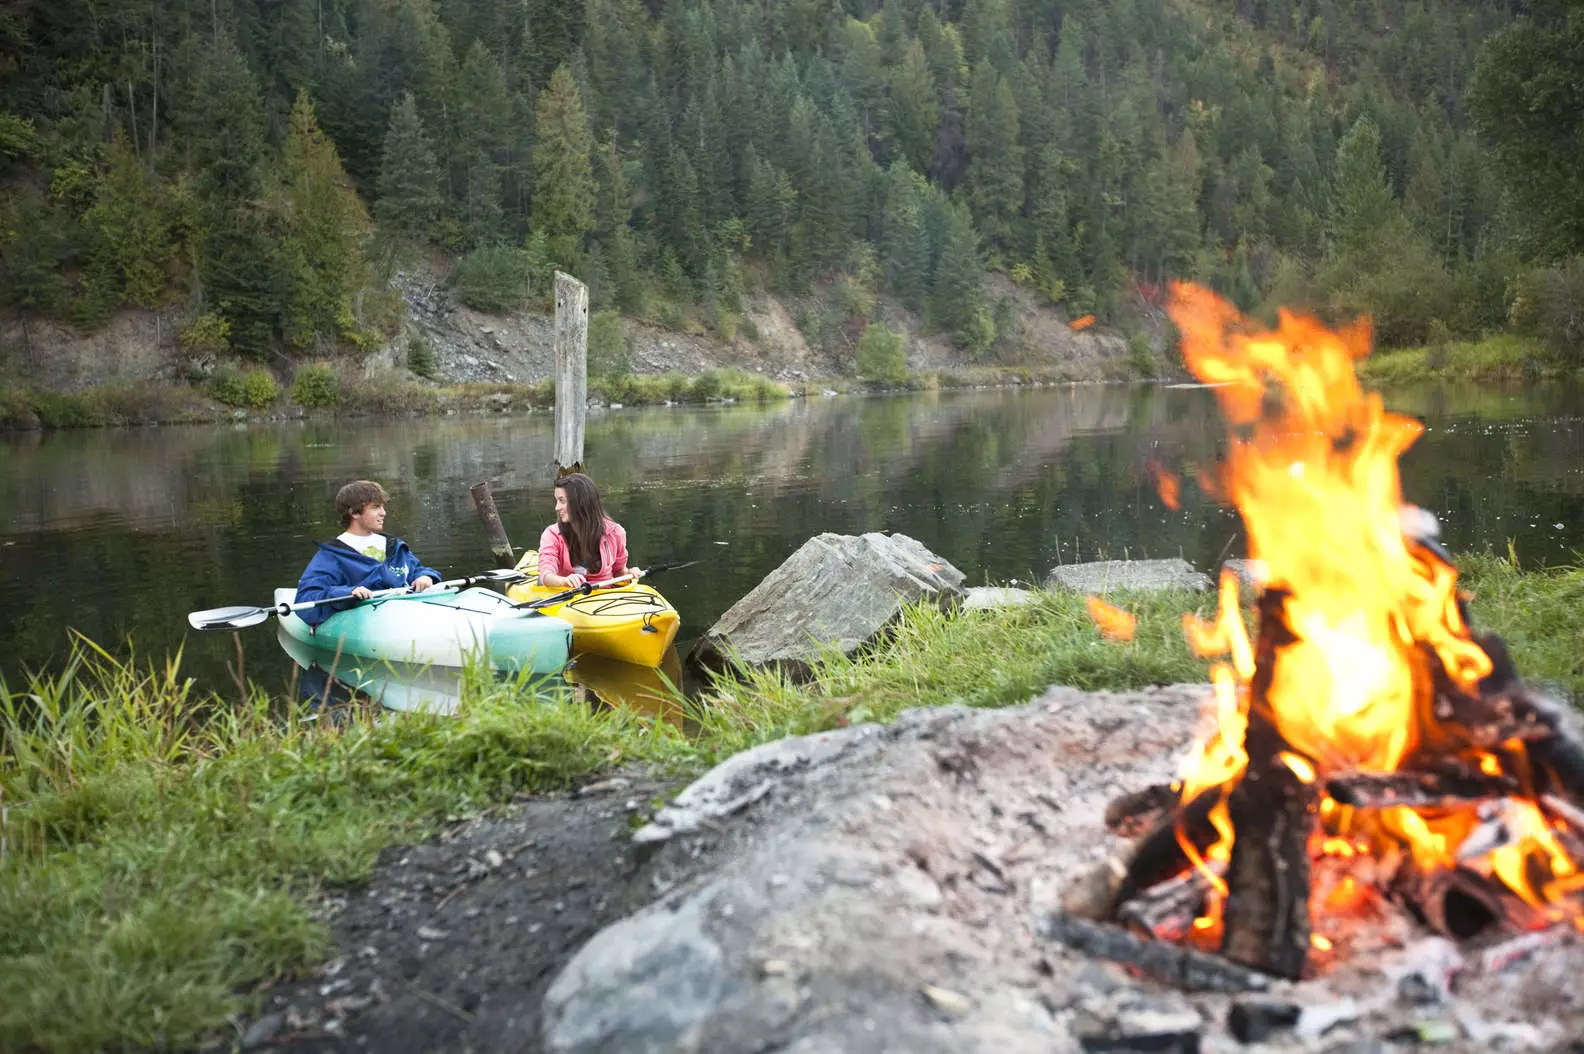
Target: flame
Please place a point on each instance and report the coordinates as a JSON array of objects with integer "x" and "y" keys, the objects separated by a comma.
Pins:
[
  {"x": 1312, "y": 469},
  {"x": 1115, "y": 624},
  {"x": 1082, "y": 323},
  {"x": 1166, "y": 484}
]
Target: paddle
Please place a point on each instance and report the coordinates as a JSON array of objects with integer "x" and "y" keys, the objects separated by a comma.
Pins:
[
  {"x": 589, "y": 587},
  {"x": 242, "y": 617}
]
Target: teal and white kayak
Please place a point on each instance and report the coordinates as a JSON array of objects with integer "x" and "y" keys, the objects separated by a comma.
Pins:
[{"x": 439, "y": 627}]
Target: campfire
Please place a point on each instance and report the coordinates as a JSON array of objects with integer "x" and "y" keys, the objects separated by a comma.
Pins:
[{"x": 1370, "y": 759}]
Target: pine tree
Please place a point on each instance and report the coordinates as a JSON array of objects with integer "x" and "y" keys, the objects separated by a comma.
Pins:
[
  {"x": 1362, "y": 206},
  {"x": 322, "y": 225},
  {"x": 915, "y": 108},
  {"x": 957, "y": 301},
  {"x": 904, "y": 242},
  {"x": 409, "y": 180},
  {"x": 483, "y": 217},
  {"x": 994, "y": 178},
  {"x": 563, "y": 177},
  {"x": 131, "y": 242}
]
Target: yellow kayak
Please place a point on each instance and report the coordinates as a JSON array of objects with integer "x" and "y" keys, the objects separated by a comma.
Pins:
[{"x": 631, "y": 622}]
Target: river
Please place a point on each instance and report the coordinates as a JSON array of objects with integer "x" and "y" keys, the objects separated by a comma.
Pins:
[{"x": 117, "y": 534}]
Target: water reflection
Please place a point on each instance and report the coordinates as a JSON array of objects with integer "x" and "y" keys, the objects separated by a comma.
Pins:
[{"x": 119, "y": 533}]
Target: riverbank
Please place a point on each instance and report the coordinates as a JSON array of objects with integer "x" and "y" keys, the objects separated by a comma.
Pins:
[
  {"x": 171, "y": 860},
  {"x": 1504, "y": 357},
  {"x": 159, "y": 403}
]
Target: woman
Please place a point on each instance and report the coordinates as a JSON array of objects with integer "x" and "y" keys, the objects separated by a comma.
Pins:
[{"x": 583, "y": 545}]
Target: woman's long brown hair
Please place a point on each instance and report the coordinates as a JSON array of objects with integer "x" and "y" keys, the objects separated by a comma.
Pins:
[{"x": 583, "y": 534}]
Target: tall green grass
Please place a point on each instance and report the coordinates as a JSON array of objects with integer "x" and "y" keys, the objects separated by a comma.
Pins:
[
  {"x": 1502, "y": 357},
  {"x": 163, "y": 847}
]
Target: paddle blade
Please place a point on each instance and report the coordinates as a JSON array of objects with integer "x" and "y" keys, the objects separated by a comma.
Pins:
[{"x": 227, "y": 618}]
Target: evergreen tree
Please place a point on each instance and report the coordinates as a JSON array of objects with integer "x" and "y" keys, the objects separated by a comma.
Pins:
[
  {"x": 483, "y": 216},
  {"x": 409, "y": 179},
  {"x": 915, "y": 108},
  {"x": 957, "y": 301},
  {"x": 563, "y": 177},
  {"x": 994, "y": 178},
  {"x": 322, "y": 225},
  {"x": 131, "y": 244},
  {"x": 904, "y": 241},
  {"x": 1362, "y": 206}
]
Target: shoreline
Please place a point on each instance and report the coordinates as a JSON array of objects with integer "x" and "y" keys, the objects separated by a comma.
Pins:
[{"x": 153, "y": 404}]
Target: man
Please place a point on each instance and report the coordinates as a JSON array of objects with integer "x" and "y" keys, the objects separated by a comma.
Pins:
[{"x": 361, "y": 559}]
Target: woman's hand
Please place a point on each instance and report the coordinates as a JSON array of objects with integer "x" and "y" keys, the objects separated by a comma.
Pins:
[
  {"x": 575, "y": 580},
  {"x": 361, "y": 592},
  {"x": 421, "y": 583}
]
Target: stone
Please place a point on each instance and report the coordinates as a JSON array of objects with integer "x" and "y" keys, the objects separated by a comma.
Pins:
[
  {"x": 836, "y": 591},
  {"x": 1252, "y": 1020},
  {"x": 263, "y": 1030},
  {"x": 640, "y": 987},
  {"x": 1251, "y": 573},
  {"x": 987, "y": 598},
  {"x": 1102, "y": 576}
]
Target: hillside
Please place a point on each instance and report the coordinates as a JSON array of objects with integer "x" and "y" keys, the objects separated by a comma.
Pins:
[{"x": 261, "y": 174}]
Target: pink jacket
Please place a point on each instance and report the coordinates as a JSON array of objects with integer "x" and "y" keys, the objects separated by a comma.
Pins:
[{"x": 554, "y": 558}]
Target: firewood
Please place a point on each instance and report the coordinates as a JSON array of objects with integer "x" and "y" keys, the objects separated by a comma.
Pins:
[
  {"x": 1176, "y": 964},
  {"x": 1167, "y": 911},
  {"x": 1451, "y": 784}
]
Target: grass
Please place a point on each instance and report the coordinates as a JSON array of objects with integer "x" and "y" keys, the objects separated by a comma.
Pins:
[
  {"x": 163, "y": 850},
  {"x": 1502, "y": 357}
]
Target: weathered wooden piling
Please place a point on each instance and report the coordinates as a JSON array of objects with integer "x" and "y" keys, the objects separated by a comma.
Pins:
[
  {"x": 484, "y": 501},
  {"x": 571, "y": 372}
]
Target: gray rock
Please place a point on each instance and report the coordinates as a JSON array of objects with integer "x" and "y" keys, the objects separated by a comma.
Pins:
[
  {"x": 987, "y": 598},
  {"x": 1102, "y": 576},
  {"x": 641, "y": 987},
  {"x": 1252, "y": 573},
  {"x": 837, "y": 591},
  {"x": 263, "y": 1030}
]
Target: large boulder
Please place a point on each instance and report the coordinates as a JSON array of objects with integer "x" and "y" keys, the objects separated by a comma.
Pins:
[
  {"x": 1102, "y": 576},
  {"x": 836, "y": 591}
]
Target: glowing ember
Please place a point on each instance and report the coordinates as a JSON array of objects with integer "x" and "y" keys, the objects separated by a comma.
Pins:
[
  {"x": 1363, "y": 619},
  {"x": 1115, "y": 624}
]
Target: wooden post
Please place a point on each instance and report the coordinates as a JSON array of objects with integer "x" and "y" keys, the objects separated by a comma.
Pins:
[
  {"x": 484, "y": 501},
  {"x": 571, "y": 376}
]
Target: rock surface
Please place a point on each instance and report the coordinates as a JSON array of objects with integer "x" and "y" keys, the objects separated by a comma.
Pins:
[
  {"x": 878, "y": 889},
  {"x": 988, "y": 598},
  {"x": 836, "y": 590},
  {"x": 1102, "y": 576}
]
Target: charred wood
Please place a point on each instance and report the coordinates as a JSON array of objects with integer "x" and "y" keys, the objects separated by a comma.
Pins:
[
  {"x": 1459, "y": 903},
  {"x": 1134, "y": 813},
  {"x": 1167, "y": 911},
  {"x": 1159, "y": 855},
  {"x": 1450, "y": 784},
  {"x": 1176, "y": 964},
  {"x": 1266, "y": 917}
]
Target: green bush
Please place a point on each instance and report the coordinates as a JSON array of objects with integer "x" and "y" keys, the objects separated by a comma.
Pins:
[
  {"x": 316, "y": 385},
  {"x": 707, "y": 385},
  {"x": 492, "y": 278},
  {"x": 1140, "y": 356},
  {"x": 607, "y": 346},
  {"x": 421, "y": 359},
  {"x": 253, "y": 390},
  {"x": 880, "y": 355},
  {"x": 1550, "y": 306},
  {"x": 58, "y": 410}
]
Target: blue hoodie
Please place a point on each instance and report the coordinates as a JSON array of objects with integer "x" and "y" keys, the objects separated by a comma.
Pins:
[{"x": 337, "y": 569}]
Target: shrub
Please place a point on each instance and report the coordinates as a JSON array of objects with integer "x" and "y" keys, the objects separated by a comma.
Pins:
[
  {"x": 208, "y": 331},
  {"x": 316, "y": 385},
  {"x": 253, "y": 390},
  {"x": 607, "y": 346},
  {"x": 1550, "y": 306},
  {"x": 421, "y": 359},
  {"x": 707, "y": 385},
  {"x": 880, "y": 355},
  {"x": 1140, "y": 356},
  {"x": 492, "y": 278}
]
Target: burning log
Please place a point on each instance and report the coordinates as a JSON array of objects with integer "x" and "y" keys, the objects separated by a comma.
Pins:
[
  {"x": 1136, "y": 812},
  {"x": 1167, "y": 911},
  {"x": 1176, "y": 964},
  {"x": 1273, "y": 810},
  {"x": 1459, "y": 903},
  {"x": 1450, "y": 785},
  {"x": 1159, "y": 855}
]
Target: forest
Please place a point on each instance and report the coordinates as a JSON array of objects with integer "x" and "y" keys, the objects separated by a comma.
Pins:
[{"x": 265, "y": 165}]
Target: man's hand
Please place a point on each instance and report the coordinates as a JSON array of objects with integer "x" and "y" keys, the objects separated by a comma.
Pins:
[
  {"x": 361, "y": 592},
  {"x": 421, "y": 583}
]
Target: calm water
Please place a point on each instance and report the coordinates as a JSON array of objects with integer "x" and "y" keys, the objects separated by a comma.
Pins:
[{"x": 119, "y": 534}]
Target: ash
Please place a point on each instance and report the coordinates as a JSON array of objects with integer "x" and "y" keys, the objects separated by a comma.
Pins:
[{"x": 887, "y": 889}]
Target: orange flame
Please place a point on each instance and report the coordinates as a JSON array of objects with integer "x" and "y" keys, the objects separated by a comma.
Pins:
[
  {"x": 1169, "y": 486},
  {"x": 1115, "y": 624},
  {"x": 1082, "y": 323},
  {"x": 1312, "y": 469}
]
